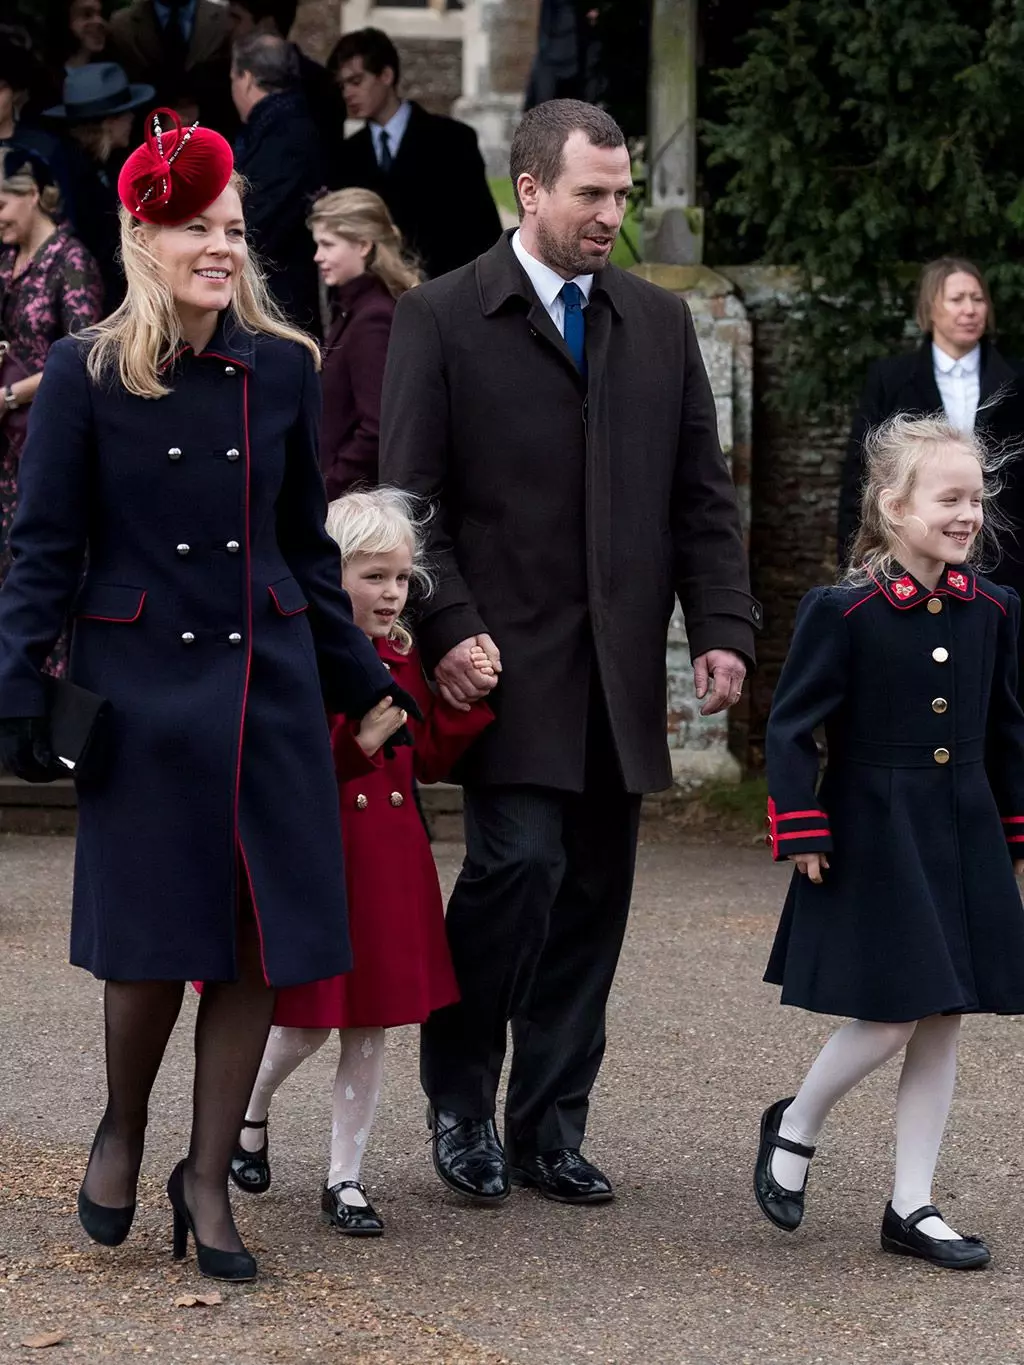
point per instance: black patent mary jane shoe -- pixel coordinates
(468, 1156)
(236, 1266)
(355, 1220)
(564, 1176)
(105, 1225)
(903, 1237)
(784, 1208)
(250, 1171)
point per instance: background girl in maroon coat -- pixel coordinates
(402, 968)
(361, 256)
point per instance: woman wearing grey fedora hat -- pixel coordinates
(99, 109)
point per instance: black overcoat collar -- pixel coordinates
(229, 343)
(995, 375)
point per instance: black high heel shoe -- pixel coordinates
(216, 1265)
(104, 1224)
(785, 1208)
(250, 1171)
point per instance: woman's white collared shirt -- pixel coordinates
(959, 385)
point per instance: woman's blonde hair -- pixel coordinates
(141, 337)
(95, 138)
(376, 521)
(22, 181)
(362, 216)
(933, 280)
(894, 453)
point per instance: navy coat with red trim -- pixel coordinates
(920, 808)
(212, 617)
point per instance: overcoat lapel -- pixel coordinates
(922, 391)
(996, 374)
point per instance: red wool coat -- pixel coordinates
(402, 969)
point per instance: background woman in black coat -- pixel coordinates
(956, 369)
(178, 445)
(360, 255)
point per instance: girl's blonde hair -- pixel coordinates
(139, 339)
(22, 182)
(894, 453)
(362, 216)
(376, 521)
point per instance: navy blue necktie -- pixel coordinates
(572, 297)
(385, 158)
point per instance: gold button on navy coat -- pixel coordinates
(921, 807)
(217, 662)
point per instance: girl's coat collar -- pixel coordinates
(905, 591)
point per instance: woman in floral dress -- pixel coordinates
(49, 286)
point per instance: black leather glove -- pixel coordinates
(25, 750)
(404, 702)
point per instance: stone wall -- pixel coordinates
(500, 38)
(431, 71)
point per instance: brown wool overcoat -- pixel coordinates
(570, 512)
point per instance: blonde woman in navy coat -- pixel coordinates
(176, 444)
(903, 913)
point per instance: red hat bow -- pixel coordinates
(177, 173)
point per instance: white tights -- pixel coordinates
(357, 1084)
(922, 1102)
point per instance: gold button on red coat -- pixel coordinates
(941, 755)
(361, 802)
(934, 605)
(397, 799)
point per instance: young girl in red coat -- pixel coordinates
(402, 968)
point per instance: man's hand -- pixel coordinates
(811, 865)
(459, 677)
(724, 672)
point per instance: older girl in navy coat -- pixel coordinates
(903, 913)
(177, 445)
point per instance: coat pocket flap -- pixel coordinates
(110, 602)
(287, 596)
(732, 602)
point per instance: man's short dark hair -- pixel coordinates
(539, 143)
(281, 11)
(374, 46)
(272, 62)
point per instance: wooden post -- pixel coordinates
(673, 226)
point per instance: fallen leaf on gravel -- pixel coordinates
(44, 1339)
(198, 1300)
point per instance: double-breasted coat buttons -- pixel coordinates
(940, 655)
(232, 547)
(234, 638)
(229, 369)
(397, 799)
(361, 802)
(940, 706)
(183, 549)
(935, 605)
(174, 453)
(188, 638)
(941, 755)
(232, 454)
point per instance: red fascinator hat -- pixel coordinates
(177, 173)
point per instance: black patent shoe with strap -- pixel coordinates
(355, 1220)
(250, 1171)
(784, 1208)
(903, 1237)
(236, 1266)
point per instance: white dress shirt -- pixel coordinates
(395, 129)
(548, 283)
(959, 385)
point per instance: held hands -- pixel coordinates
(719, 672)
(378, 725)
(1018, 867)
(25, 750)
(814, 864)
(469, 671)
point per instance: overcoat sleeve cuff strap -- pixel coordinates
(797, 831)
(1013, 826)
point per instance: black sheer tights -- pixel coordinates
(231, 1031)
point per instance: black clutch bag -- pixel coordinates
(79, 721)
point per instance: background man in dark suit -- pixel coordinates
(401, 152)
(279, 153)
(558, 411)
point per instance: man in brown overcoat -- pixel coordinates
(557, 411)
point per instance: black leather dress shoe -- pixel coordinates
(564, 1176)
(785, 1208)
(354, 1220)
(468, 1156)
(903, 1237)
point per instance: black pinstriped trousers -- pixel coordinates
(535, 926)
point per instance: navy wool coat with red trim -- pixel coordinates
(212, 617)
(921, 806)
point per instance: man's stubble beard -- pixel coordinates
(563, 254)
